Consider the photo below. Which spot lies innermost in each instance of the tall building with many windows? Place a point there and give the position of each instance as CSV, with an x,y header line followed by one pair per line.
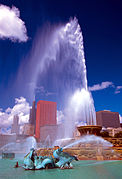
x,y
32,117
46,122
15,125
108,119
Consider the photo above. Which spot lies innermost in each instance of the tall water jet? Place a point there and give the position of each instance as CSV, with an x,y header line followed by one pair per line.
x,y
80,111
80,106
58,56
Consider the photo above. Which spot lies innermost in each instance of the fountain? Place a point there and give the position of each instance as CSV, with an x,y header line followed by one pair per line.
x,y
20,146
67,52
67,55
59,159
62,63
63,57
66,49
89,129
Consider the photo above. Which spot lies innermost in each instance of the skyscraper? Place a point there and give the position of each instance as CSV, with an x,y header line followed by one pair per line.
x,y
15,125
107,119
32,118
45,118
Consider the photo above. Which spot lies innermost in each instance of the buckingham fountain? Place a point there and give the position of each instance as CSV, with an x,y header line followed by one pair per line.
x,y
79,113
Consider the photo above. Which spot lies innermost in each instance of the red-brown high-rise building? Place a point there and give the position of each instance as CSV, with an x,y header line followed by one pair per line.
x,y
45,115
107,119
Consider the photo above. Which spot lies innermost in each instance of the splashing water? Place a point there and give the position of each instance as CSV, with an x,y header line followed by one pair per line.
x,y
22,146
62,142
60,50
47,142
58,57
80,110
80,106
71,36
30,143
90,139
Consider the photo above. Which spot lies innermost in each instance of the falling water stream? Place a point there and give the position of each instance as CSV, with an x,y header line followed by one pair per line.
x,y
90,139
62,62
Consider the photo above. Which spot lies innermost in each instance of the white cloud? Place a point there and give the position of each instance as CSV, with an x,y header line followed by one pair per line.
x,y
101,86
105,85
118,88
21,108
3,119
20,100
117,92
11,26
6,130
43,91
8,110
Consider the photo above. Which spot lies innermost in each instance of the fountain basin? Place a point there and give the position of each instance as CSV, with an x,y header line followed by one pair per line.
x,y
89,129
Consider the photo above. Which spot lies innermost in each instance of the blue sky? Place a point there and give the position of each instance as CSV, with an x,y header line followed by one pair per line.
x,y
101,26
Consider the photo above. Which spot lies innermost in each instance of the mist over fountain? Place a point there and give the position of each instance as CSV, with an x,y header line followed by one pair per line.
x,y
90,139
62,63
80,106
58,56
23,146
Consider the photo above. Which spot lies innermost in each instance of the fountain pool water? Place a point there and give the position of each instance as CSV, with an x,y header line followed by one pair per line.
x,y
82,169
